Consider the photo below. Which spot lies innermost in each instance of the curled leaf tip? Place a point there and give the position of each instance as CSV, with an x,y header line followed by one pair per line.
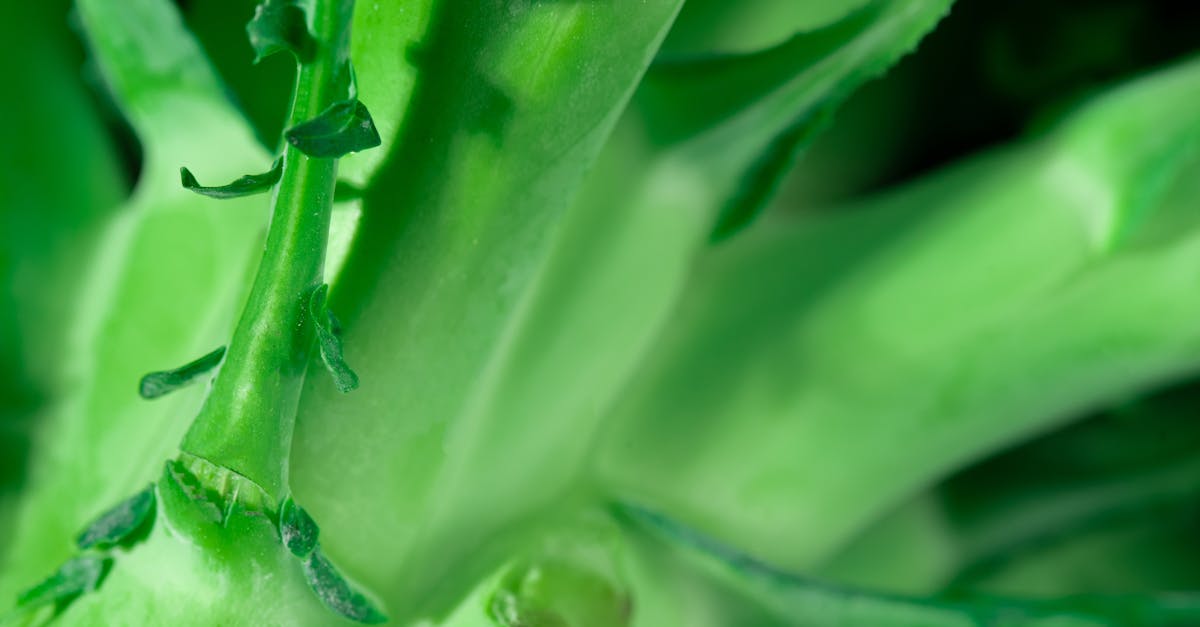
x,y
343,128
281,26
163,382
329,340
122,525
244,186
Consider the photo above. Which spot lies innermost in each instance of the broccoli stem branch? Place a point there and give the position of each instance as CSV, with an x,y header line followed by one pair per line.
x,y
247,420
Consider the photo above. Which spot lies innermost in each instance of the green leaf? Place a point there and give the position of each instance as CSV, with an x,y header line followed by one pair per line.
x,y
298,530
1111,477
245,186
281,26
164,382
343,128
337,593
122,525
329,340
77,576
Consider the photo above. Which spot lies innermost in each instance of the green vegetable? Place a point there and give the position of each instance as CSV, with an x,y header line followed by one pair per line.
x,y
609,368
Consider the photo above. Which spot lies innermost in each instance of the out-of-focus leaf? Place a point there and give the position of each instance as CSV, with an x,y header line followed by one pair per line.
x,y
644,212
1113,476
1141,555
161,287
739,121
801,602
77,576
262,90
434,299
707,27
53,206
906,336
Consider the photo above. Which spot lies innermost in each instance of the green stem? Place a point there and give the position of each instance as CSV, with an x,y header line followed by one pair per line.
x,y
247,420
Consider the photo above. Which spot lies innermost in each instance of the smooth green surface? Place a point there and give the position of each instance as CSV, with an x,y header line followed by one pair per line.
x,y
707,27
933,345
434,294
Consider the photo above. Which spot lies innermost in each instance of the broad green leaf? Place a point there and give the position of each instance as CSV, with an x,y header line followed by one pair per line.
x,y
906,336
121,524
163,382
161,286
244,186
433,299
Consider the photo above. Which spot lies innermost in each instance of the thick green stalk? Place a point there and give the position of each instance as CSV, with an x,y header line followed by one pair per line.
x,y
246,422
